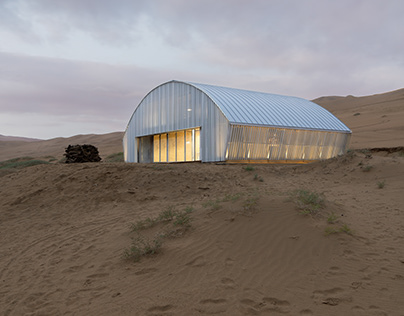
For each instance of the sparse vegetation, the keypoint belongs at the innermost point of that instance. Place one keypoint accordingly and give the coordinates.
(335, 230)
(250, 203)
(332, 218)
(142, 246)
(345, 229)
(213, 205)
(116, 157)
(143, 224)
(249, 168)
(367, 168)
(259, 178)
(231, 197)
(330, 230)
(20, 163)
(380, 184)
(308, 202)
(168, 215)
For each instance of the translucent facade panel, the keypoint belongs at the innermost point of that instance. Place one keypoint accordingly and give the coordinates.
(172, 152)
(180, 146)
(268, 143)
(163, 148)
(189, 145)
(197, 134)
(156, 148)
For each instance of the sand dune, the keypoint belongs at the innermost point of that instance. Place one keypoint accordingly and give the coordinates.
(249, 251)
(375, 121)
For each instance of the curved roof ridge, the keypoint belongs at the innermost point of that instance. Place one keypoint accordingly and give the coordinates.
(266, 109)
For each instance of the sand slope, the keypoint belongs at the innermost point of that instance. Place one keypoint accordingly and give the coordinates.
(375, 121)
(64, 229)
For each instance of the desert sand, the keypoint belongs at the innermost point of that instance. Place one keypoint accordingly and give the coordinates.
(248, 251)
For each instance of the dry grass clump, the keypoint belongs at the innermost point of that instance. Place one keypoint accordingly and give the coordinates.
(308, 202)
(175, 223)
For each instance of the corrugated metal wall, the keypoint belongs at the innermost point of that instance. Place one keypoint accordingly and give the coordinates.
(269, 143)
(176, 106)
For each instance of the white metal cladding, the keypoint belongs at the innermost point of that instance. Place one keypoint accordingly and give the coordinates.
(237, 124)
(258, 108)
(268, 143)
(176, 106)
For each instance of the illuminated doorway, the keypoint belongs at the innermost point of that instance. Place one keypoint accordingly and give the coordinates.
(177, 146)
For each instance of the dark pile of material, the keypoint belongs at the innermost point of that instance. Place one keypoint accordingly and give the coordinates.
(82, 153)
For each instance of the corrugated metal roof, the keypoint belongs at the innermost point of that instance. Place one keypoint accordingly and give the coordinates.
(258, 108)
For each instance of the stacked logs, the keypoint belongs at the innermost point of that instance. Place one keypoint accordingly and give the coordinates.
(82, 153)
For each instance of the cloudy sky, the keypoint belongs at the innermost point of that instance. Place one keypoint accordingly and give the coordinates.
(71, 67)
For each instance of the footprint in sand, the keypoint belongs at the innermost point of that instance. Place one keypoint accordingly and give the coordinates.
(212, 306)
(145, 271)
(306, 312)
(267, 304)
(331, 297)
(197, 262)
(227, 283)
(161, 310)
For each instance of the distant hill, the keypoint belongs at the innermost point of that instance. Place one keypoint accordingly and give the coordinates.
(107, 144)
(4, 138)
(376, 120)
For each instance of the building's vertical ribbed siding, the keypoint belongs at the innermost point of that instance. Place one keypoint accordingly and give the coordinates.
(270, 143)
(177, 106)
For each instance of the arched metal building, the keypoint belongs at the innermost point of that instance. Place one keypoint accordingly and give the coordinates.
(182, 121)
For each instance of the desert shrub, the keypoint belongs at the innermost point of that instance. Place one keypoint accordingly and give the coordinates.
(259, 178)
(143, 224)
(176, 223)
(380, 184)
(308, 202)
(367, 168)
(335, 230)
(142, 246)
(231, 197)
(250, 203)
(332, 218)
(213, 205)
